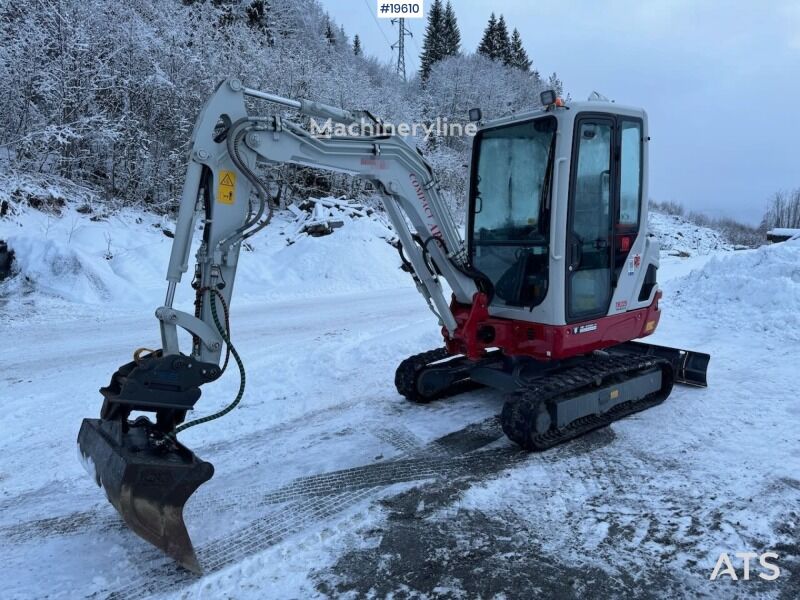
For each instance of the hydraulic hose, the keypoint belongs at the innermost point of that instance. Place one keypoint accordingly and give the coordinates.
(242, 377)
(232, 143)
(246, 230)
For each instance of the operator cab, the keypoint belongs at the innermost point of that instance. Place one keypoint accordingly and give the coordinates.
(509, 207)
(517, 215)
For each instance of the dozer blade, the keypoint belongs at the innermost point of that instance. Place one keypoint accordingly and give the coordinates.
(690, 367)
(148, 478)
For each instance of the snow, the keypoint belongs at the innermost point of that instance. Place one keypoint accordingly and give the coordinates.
(763, 285)
(680, 237)
(646, 505)
(121, 259)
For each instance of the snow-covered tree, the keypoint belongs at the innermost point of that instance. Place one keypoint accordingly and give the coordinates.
(433, 45)
(554, 83)
(496, 43)
(488, 43)
(503, 41)
(784, 210)
(519, 58)
(450, 32)
(330, 36)
(109, 100)
(258, 17)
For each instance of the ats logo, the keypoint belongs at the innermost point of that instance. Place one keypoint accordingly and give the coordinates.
(768, 571)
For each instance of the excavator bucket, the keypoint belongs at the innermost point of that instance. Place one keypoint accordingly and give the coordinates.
(148, 477)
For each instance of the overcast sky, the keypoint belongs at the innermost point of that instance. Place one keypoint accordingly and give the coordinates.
(720, 81)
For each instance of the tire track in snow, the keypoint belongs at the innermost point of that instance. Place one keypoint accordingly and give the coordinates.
(424, 462)
(309, 500)
(257, 536)
(313, 503)
(98, 517)
(401, 439)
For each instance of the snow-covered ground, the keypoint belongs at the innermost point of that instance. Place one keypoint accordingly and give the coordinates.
(329, 484)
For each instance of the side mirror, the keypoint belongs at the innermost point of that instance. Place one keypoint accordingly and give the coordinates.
(475, 114)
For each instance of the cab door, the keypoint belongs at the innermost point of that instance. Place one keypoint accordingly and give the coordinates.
(589, 226)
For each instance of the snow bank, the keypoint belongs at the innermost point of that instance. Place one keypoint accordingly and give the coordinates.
(355, 257)
(71, 251)
(763, 285)
(66, 247)
(680, 237)
(57, 269)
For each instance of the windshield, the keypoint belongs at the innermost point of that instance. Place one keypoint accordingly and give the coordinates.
(508, 198)
(510, 183)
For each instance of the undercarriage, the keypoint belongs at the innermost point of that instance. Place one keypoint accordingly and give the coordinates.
(552, 402)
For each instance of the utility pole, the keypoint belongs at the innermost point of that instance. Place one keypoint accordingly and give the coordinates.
(403, 31)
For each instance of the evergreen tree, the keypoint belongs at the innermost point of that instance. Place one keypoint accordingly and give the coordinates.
(554, 83)
(495, 43)
(256, 13)
(488, 45)
(519, 58)
(357, 46)
(433, 47)
(503, 42)
(258, 17)
(329, 34)
(451, 32)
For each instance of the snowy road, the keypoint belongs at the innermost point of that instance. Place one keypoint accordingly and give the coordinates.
(327, 483)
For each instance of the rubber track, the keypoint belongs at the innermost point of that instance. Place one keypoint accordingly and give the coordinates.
(519, 413)
(405, 378)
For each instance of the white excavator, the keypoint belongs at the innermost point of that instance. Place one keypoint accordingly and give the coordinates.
(554, 282)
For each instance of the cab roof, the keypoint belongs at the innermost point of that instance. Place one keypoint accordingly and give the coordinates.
(577, 107)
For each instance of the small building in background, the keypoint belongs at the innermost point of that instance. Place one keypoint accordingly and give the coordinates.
(781, 234)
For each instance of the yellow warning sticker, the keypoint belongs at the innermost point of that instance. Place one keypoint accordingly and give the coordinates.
(226, 190)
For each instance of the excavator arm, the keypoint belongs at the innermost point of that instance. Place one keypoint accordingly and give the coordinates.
(147, 474)
(221, 184)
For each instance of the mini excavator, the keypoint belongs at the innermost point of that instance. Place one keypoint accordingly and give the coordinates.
(555, 281)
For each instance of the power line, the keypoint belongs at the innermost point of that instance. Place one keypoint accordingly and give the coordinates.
(413, 41)
(377, 23)
(419, 53)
